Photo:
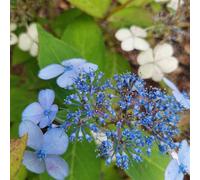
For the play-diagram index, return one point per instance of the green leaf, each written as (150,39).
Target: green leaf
(96,8)
(137,3)
(53,50)
(19,56)
(151,168)
(20,98)
(59,24)
(17,148)
(21,174)
(115,64)
(82,160)
(84,35)
(131,16)
(109,172)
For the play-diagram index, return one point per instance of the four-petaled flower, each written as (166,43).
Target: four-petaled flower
(180,165)
(42,112)
(132,38)
(154,63)
(28,41)
(68,71)
(47,148)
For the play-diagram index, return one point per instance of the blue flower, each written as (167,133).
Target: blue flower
(47,148)
(180,166)
(67,71)
(180,97)
(130,109)
(42,112)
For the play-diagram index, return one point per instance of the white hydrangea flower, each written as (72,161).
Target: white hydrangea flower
(173,4)
(155,63)
(28,41)
(13,36)
(132,38)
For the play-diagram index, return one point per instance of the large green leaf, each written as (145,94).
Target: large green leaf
(59,23)
(110,172)
(17,148)
(152,168)
(53,50)
(84,35)
(115,64)
(19,56)
(137,3)
(129,16)
(95,8)
(20,98)
(82,160)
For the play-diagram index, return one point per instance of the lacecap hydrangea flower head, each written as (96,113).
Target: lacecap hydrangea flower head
(130,116)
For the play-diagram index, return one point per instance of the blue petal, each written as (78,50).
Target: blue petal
(55,141)
(170,84)
(66,79)
(33,112)
(184,154)
(74,62)
(46,98)
(88,67)
(172,171)
(47,120)
(51,71)
(35,135)
(185,102)
(32,163)
(56,167)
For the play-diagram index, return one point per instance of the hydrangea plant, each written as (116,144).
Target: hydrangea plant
(131,117)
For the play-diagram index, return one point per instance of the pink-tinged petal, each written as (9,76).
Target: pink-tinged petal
(66,79)
(56,167)
(51,71)
(33,112)
(46,98)
(172,171)
(35,135)
(55,141)
(73,62)
(32,163)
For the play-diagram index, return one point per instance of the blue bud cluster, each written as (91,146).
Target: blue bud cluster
(131,116)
